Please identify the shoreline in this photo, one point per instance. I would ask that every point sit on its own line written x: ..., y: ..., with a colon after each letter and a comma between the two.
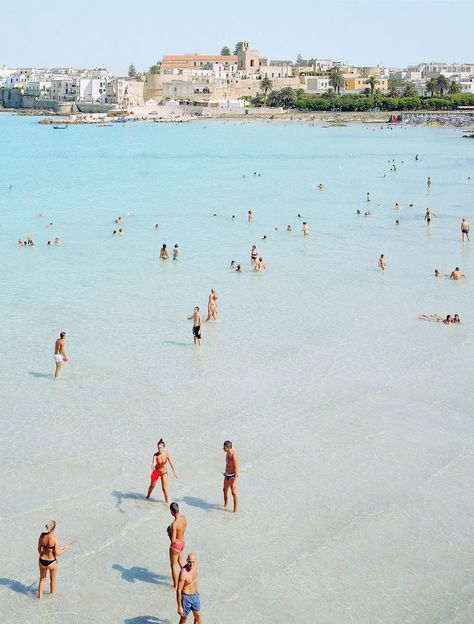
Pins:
x: 452, y: 119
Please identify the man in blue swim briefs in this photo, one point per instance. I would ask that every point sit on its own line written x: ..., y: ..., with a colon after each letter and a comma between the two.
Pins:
x: 187, y: 594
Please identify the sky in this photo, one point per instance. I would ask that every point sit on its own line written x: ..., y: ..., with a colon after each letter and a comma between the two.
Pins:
x: 115, y: 34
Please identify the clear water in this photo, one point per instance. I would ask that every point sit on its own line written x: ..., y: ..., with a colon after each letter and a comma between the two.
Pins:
x: 352, y: 419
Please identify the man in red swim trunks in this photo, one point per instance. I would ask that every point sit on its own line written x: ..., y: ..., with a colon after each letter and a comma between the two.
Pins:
x: 176, y: 532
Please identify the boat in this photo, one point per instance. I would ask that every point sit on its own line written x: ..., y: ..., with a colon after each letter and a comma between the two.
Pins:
x: 60, y: 127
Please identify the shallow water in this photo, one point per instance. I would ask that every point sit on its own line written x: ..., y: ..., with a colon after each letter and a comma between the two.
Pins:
x: 352, y: 419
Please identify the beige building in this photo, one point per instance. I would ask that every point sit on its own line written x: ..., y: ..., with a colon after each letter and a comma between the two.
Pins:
x: 250, y: 61
x: 125, y: 92
x: 359, y: 83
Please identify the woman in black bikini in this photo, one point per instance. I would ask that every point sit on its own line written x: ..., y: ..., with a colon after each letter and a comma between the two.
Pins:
x: 158, y: 470
x: 49, y: 551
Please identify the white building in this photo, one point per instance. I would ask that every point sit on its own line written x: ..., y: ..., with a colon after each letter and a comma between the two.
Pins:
x: 92, y: 90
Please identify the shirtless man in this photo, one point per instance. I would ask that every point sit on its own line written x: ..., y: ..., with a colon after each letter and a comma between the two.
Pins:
x: 176, y: 531
x: 428, y: 216
x: 249, y: 216
x: 187, y: 595
x: 305, y: 228
x: 464, y: 229
x: 381, y: 262
x: 456, y: 274
x: 231, y: 474
x: 175, y: 251
x: 260, y: 265
x: 197, y: 321
x: 59, y: 354
x: 428, y: 182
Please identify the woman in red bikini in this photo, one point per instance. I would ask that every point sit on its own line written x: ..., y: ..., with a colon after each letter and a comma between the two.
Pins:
x: 158, y: 468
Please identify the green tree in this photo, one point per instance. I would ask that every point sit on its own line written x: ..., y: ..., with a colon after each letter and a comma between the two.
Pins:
x: 299, y: 60
x: 442, y: 84
x: 238, y: 47
x: 132, y: 72
x: 366, y: 92
x: 337, y: 80
x: 454, y: 88
x: 287, y: 97
x: 393, y: 91
x: 329, y: 94
x: 431, y: 86
x: 258, y: 100
x: 409, y: 90
x: 225, y: 51
x: 372, y: 81
x: 154, y: 69
x: 265, y: 85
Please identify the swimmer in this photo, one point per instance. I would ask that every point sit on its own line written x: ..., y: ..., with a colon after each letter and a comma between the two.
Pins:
x: 456, y: 319
x: 157, y: 227
x: 435, y: 318
x: 264, y: 237
x: 260, y: 265
x: 320, y: 187
x: 367, y: 213
x: 57, y: 241
x: 50, y: 225
x: 231, y: 474
x: 232, y: 264
x: 456, y: 274
x: 49, y: 244
x: 428, y: 216
x: 428, y: 182
x: 276, y: 228
x: 253, y: 254
x: 175, y: 252
x: 158, y: 470
x: 187, y: 594
x: 358, y: 212
x: 233, y: 216
x: 120, y: 232
x: 164, y: 253
x: 368, y: 197
x: 212, y: 306
x: 197, y: 322
x: 288, y: 228
x: 49, y: 551
x: 250, y: 216
x: 437, y: 273
x: 397, y: 206
x: 397, y: 222
x: 464, y: 229
x: 239, y: 269
x: 21, y: 243
x: 305, y: 229
x: 417, y: 157
x: 176, y: 531
x: 60, y: 355
x: 118, y: 220
x: 381, y: 262
x: 114, y: 233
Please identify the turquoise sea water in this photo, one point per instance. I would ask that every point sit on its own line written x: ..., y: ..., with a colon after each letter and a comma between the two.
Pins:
x: 352, y: 419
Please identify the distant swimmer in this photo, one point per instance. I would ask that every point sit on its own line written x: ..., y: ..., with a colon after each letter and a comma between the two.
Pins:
x: 197, y: 322
x: 417, y: 157
x: 250, y: 216
x: 428, y: 182
x: 232, y: 264
x: 49, y: 551
x: 367, y: 213
x: 358, y: 212
x: 456, y: 319
x: 397, y: 222
x: 397, y: 206
x: 436, y: 318
x: 381, y: 262
x: 49, y: 244
x: 175, y: 252
x: 437, y: 273
x: 114, y: 233
x: 120, y: 232
x: 176, y: 531
x: 233, y: 216
x: 118, y: 220
x: 465, y: 229
x: 231, y: 474
x: 260, y: 265
x: 428, y: 216
x: 57, y: 241
x: 368, y: 197
x: 305, y: 229
x: 10, y: 188
x: 212, y: 306
x: 187, y: 594
x: 157, y: 226
x: 264, y: 237
x: 59, y: 354
x: 288, y: 228
x: 158, y: 470
x: 239, y: 269
x: 320, y: 187
x: 253, y: 254
x: 456, y: 274
x: 164, y: 253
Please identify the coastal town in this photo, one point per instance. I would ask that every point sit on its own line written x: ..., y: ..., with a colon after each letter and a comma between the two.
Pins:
x: 236, y: 82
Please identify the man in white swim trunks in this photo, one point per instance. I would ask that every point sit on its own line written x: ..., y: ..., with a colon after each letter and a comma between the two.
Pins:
x: 59, y: 354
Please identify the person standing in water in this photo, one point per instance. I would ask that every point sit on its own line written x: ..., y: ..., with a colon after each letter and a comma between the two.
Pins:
x: 158, y: 470
x: 464, y: 229
x: 231, y: 474
x: 175, y: 252
x: 59, y: 354
x: 212, y: 306
x: 428, y: 216
x: 253, y: 254
x: 187, y: 595
x: 305, y: 228
x: 163, y: 253
x: 249, y: 216
x: 197, y: 322
x: 176, y: 531
x: 49, y: 551
x: 381, y: 262
x: 428, y: 182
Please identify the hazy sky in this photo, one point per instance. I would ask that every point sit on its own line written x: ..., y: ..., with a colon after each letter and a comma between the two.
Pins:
x: 114, y: 34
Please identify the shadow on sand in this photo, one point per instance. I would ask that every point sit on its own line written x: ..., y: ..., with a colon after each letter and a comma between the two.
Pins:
x: 194, y: 501
x: 145, y: 619
x: 40, y: 375
x: 178, y: 344
x: 136, y: 573
x: 121, y: 496
x: 19, y: 588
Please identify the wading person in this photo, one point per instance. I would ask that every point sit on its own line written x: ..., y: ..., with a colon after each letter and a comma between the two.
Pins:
x: 49, y: 551
x: 158, y: 470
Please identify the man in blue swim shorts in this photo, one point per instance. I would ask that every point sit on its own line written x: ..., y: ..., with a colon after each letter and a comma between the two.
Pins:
x: 187, y: 594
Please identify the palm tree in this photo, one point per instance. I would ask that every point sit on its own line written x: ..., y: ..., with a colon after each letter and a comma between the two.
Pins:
x: 394, y: 87
x: 337, y: 80
x: 409, y: 90
x: 371, y: 81
x: 265, y: 85
x: 431, y: 86
x: 442, y: 84
x: 287, y: 97
x: 454, y: 88
x: 392, y: 91
x: 329, y: 94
